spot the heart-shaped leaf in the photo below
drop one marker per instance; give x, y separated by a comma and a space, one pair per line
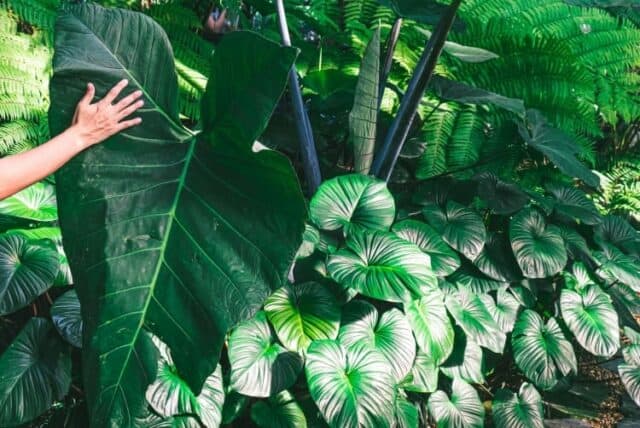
630, 376
260, 367
390, 334
382, 266
406, 413
504, 309
522, 410
281, 411
352, 388
35, 371
431, 325
575, 244
617, 231
465, 362
496, 259
302, 313
475, 320
169, 395
210, 224
573, 204
541, 351
352, 199
502, 197
310, 240
631, 352
27, 270
65, 314
590, 316
444, 261
460, 227
424, 374
37, 202
463, 410
538, 247
617, 266
468, 277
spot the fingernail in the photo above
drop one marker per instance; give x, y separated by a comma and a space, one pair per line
139, 120
140, 103
124, 82
138, 93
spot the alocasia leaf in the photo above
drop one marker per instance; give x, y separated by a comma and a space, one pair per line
352, 388
65, 314
573, 204
302, 313
496, 259
522, 410
616, 266
541, 351
27, 270
35, 371
424, 374
538, 247
166, 232
631, 352
504, 309
444, 261
406, 413
473, 317
363, 116
37, 202
460, 227
617, 231
260, 366
431, 325
465, 362
592, 319
630, 376
352, 199
463, 409
390, 334
382, 266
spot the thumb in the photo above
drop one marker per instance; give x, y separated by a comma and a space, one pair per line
88, 96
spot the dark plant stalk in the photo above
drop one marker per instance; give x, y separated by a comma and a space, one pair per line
390, 48
310, 162
387, 157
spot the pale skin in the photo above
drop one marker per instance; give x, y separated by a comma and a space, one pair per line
92, 123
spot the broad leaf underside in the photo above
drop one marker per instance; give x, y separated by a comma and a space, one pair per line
165, 232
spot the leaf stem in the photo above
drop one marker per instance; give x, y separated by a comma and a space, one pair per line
390, 48
310, 162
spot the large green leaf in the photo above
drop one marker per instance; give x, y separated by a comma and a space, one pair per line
630, 376
65, 314
470, 278
424, 374
496, 259
541, 351
592, 319
303, 313
27, 270
631, 352
169, 395
465, 362
463, 410
389, 334
35, 371
556, 145
382, 266
364, 114
538, 247
444, 261
475, 320
522, 410
572, 203
457, 91
352, 199
280, 411
260, 366
501, 197
353, 388
431, 325
460, 227
427, 12
177, 235
617, 231
406, 413
37, 202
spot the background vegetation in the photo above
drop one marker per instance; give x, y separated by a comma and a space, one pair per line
481, 283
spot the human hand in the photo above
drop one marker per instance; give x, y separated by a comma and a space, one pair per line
94, 123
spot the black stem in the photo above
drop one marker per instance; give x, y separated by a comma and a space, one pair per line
390, 48
310, 162
387, 157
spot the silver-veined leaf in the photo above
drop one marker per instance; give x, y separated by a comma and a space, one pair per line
424, 374
280, 411
504, 309
260, 366
460, 227
462, 410
465, 362
573, 204
522, 410
630, 376
302, 313
65, 314
631, 352
37, 202
617, 266
352, 388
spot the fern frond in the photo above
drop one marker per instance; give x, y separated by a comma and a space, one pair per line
19, 135
41, 13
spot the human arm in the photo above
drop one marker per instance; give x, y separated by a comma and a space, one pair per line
91, 124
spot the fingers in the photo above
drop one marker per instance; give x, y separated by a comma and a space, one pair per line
88, 96
130, 109
129, 123
115, 91
127, 101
